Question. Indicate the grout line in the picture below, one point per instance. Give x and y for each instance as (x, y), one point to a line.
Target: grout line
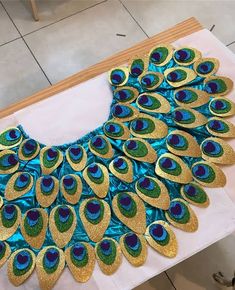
(10, 41)
(212, 27)
(26, 44)
(230, 43)
(170, 280)
(133, 18)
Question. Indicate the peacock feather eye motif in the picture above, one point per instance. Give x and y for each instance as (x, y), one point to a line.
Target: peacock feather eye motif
(153, 103)
(205, 67)
(130, 210)
(50, 159)
(217, 151)
(50, 263)
(122, 168)
(195, 194)
(118, 76)
(10, 138)
(9, 220)
(220, 128)
(20, 266)
(161, 54)
(34, 227)
(222, 107)
(179, 76)
(47, 188)
(190, 98)
(19, 184)
(218, 85)
(124, 113)
(208, 174)
(62, 224)
(97, 177)
(145, 126)
(95, 215)
(181, 216)
(126, 94)
(140, 150)
(71, 188)
(108, 255)
(116, 130)
(186, 55)
(173, 168)
(134, 248)
(80, 259)
(5, 252)
(9, 162)
(183, 144)
(151, 80)
(100, 146)
(28, 150)
(188, 118)
(76, 157)
(153, 191)
(137, 66)
(161, 238)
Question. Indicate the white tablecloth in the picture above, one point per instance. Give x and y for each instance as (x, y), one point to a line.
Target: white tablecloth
(69, 115)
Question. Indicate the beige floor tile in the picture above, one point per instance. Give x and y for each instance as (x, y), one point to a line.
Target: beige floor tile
(160, 282)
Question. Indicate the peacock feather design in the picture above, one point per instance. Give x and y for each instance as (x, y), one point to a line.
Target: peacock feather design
(124, 185)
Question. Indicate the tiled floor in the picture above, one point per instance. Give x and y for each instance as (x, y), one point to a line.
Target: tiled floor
(72, 35)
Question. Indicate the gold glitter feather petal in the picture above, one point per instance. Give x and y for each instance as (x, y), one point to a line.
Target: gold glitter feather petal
(32, 148)
(10, 158)
(77, 157)
(10, 138)
(218, 85)
(153, 103)
(151, 80)
(186, 55)
(205, 67)
(222, 107)
(179, 76)
(9, 225)
(71, 188)
(100, 146)
(47, 188)
(116, 130)
(122, 168)
(125, 94)
(50, 159)
(7, 253)
(190, 98)
(220, 128)
(161, 54)
(118, 76)
(188, 118)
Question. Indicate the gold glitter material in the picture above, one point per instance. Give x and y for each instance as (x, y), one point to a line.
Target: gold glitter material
(81, 164)
(25, 158)
(170, 49)
(197, 55)
(11, 193)
(62, 238)
(193, 149)
(203, 205)
(1, 202)
(102, 189)
(170, 250)
(151, 156)
(126, 133)
(18, 280)
(164, 108)
(228, 156)
(134, 90)
(46, 200)
(6, 233)
(12, 169)
(143, 58)
(220, 178)
(184, 177)
(37, 241)
(81, 274)
(129, 118)
(3, 147)
(210, 59)
(190, 76)
(110, 269)
(110, 152)
(200, 119)
(162, 201)
(48, 281)
(95, 231)
(135, 261)
(157, 74)
(191, 225)
(49, 170)
(136, 223)
(125, 71)
(160, 130)
(202, 98)
(231, 112)
(6, 255)
(126, 177)
(229, 134)
(228, 82)
(72, 198)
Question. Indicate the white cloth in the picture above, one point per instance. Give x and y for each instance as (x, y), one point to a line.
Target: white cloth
(69, 115)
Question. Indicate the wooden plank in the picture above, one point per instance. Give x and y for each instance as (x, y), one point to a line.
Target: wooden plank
(180, 30)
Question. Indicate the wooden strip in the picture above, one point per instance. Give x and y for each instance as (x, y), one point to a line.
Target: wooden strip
(180, 30)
